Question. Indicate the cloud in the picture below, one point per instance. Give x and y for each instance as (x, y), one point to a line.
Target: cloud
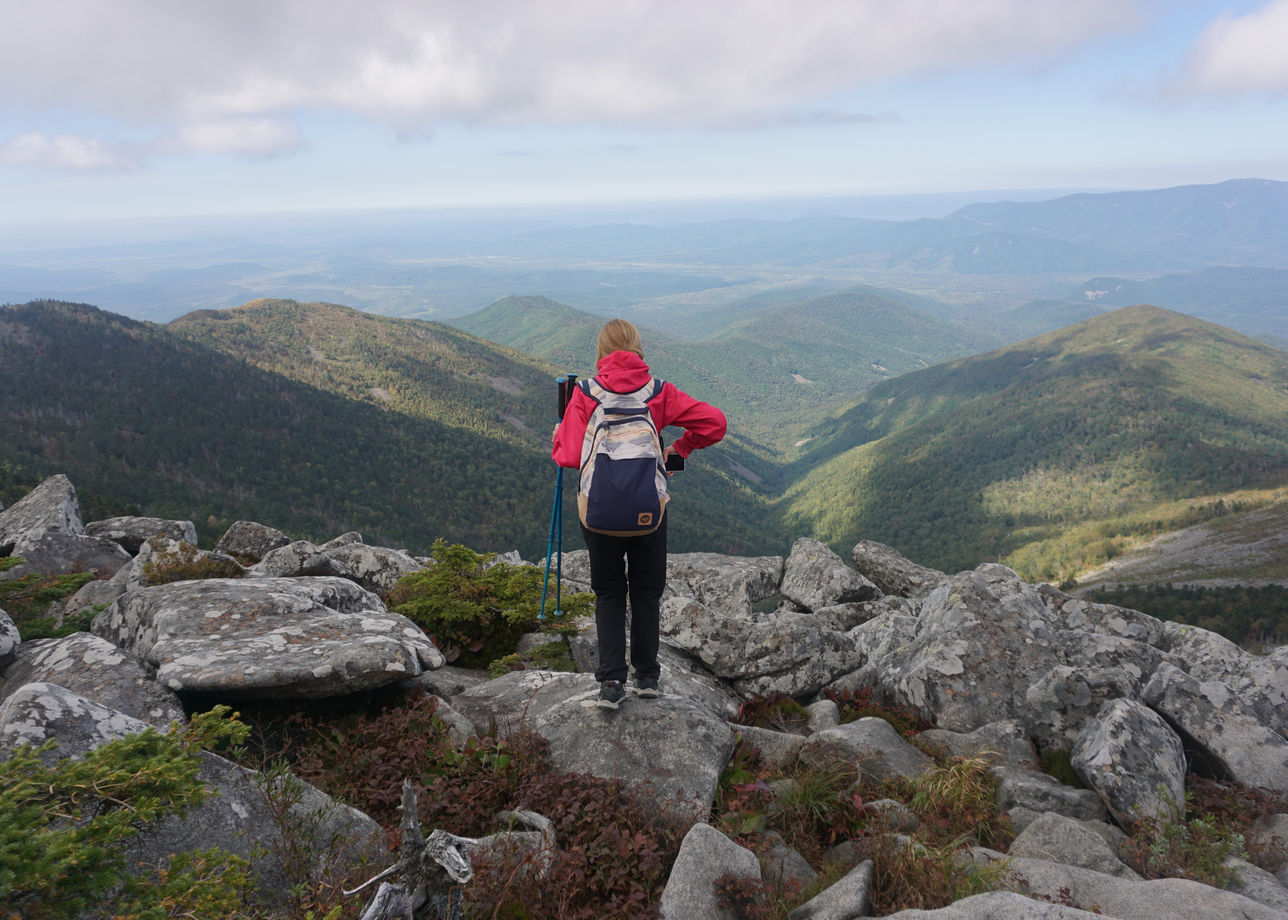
(1241, 54)
(71, 152)
(412, 65)
(261, 137)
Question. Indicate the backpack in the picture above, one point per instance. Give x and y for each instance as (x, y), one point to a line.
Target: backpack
(622, 488)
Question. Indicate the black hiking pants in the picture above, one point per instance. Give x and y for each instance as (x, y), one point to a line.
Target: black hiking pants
(622, 568)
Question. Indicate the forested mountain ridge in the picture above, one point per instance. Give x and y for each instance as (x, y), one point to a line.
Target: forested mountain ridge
(1005, 455)
(778, 368)
(146, 419)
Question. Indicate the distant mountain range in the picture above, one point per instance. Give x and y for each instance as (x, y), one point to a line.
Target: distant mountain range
(1037, 451)
(985, 260)
(1052, 455)
(775, 368)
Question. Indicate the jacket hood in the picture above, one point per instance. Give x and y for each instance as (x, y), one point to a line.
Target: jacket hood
(622, 371)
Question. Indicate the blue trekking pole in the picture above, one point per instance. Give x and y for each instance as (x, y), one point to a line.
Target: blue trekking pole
(554, 543)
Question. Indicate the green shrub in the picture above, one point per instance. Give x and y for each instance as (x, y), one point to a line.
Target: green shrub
(184, 562)
(473, 611)
(62, 828)
(26, 599)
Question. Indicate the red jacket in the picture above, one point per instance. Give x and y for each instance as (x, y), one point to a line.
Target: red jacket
(623, 372)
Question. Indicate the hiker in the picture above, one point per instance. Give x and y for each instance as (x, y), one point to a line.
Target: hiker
(629, 560)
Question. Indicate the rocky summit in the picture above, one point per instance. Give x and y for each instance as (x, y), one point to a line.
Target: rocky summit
(1000, 667)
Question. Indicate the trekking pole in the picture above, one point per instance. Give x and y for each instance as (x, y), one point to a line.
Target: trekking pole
(554, 543)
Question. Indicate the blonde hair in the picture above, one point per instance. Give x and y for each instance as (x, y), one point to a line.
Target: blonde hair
(618, 335)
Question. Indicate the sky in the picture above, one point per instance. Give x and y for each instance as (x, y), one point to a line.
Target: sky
(119, 109)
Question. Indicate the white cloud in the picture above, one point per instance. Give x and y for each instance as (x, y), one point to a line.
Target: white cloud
(68, 152)
(250, 136)
(411, 64)
(1242, 54)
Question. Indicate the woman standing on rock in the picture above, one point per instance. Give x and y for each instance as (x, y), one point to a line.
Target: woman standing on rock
(610, 414)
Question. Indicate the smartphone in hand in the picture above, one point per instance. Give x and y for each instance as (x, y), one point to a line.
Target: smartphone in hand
(674, 463)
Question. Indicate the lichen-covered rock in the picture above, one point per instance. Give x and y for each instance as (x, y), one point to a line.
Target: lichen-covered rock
(376, 568)
(1261, 681)
(1041, 793)
(267, 637)
(1004, 743)
(1134, 762)
(726, 583)
(10, 640)
(297, 560)
(131, 531)
(1227, 731)
(1061, 839)
(58, 553)
(96, 670)
(893, 573)
(844, 617)
(251, 541)
(878, 644)
(783, 652)
(38, 712)
(51, 507)
(872, 745)
(815, 577)
(1083, 616)
(1256, 883)
(781, 865)
(1062, 701)
(705, 855)
(982, 638)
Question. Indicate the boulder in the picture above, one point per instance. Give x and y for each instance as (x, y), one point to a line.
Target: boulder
(892, 573)
(1041, 793)
(1231, 739)
(844, 617)
(842, 900)
(870, 744)
(783, 867)
(1125, 899)
(1061, 839)
(878, 643)
(38, 712)
(10, 640)
(1083, 616)
(726, 583)
(815, 577)
(267, 637)
(1260, 681)
(823, 714)
(297, 560)
(670, 750)
(783, 652)
(251, 542)
(1065, 699)
(1258, 884)
(705, 855)
(131, 532)
(376, 568)
(1004, 743)
(96, 670)
(982, 638)
(1134, 762)
(51, 507)
(777, 749)
(57, 553)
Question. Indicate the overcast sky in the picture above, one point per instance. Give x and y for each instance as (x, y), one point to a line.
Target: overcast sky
(136, 108)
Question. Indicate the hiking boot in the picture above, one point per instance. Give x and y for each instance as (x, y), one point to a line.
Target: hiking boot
(611, 693)
(646, 687)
